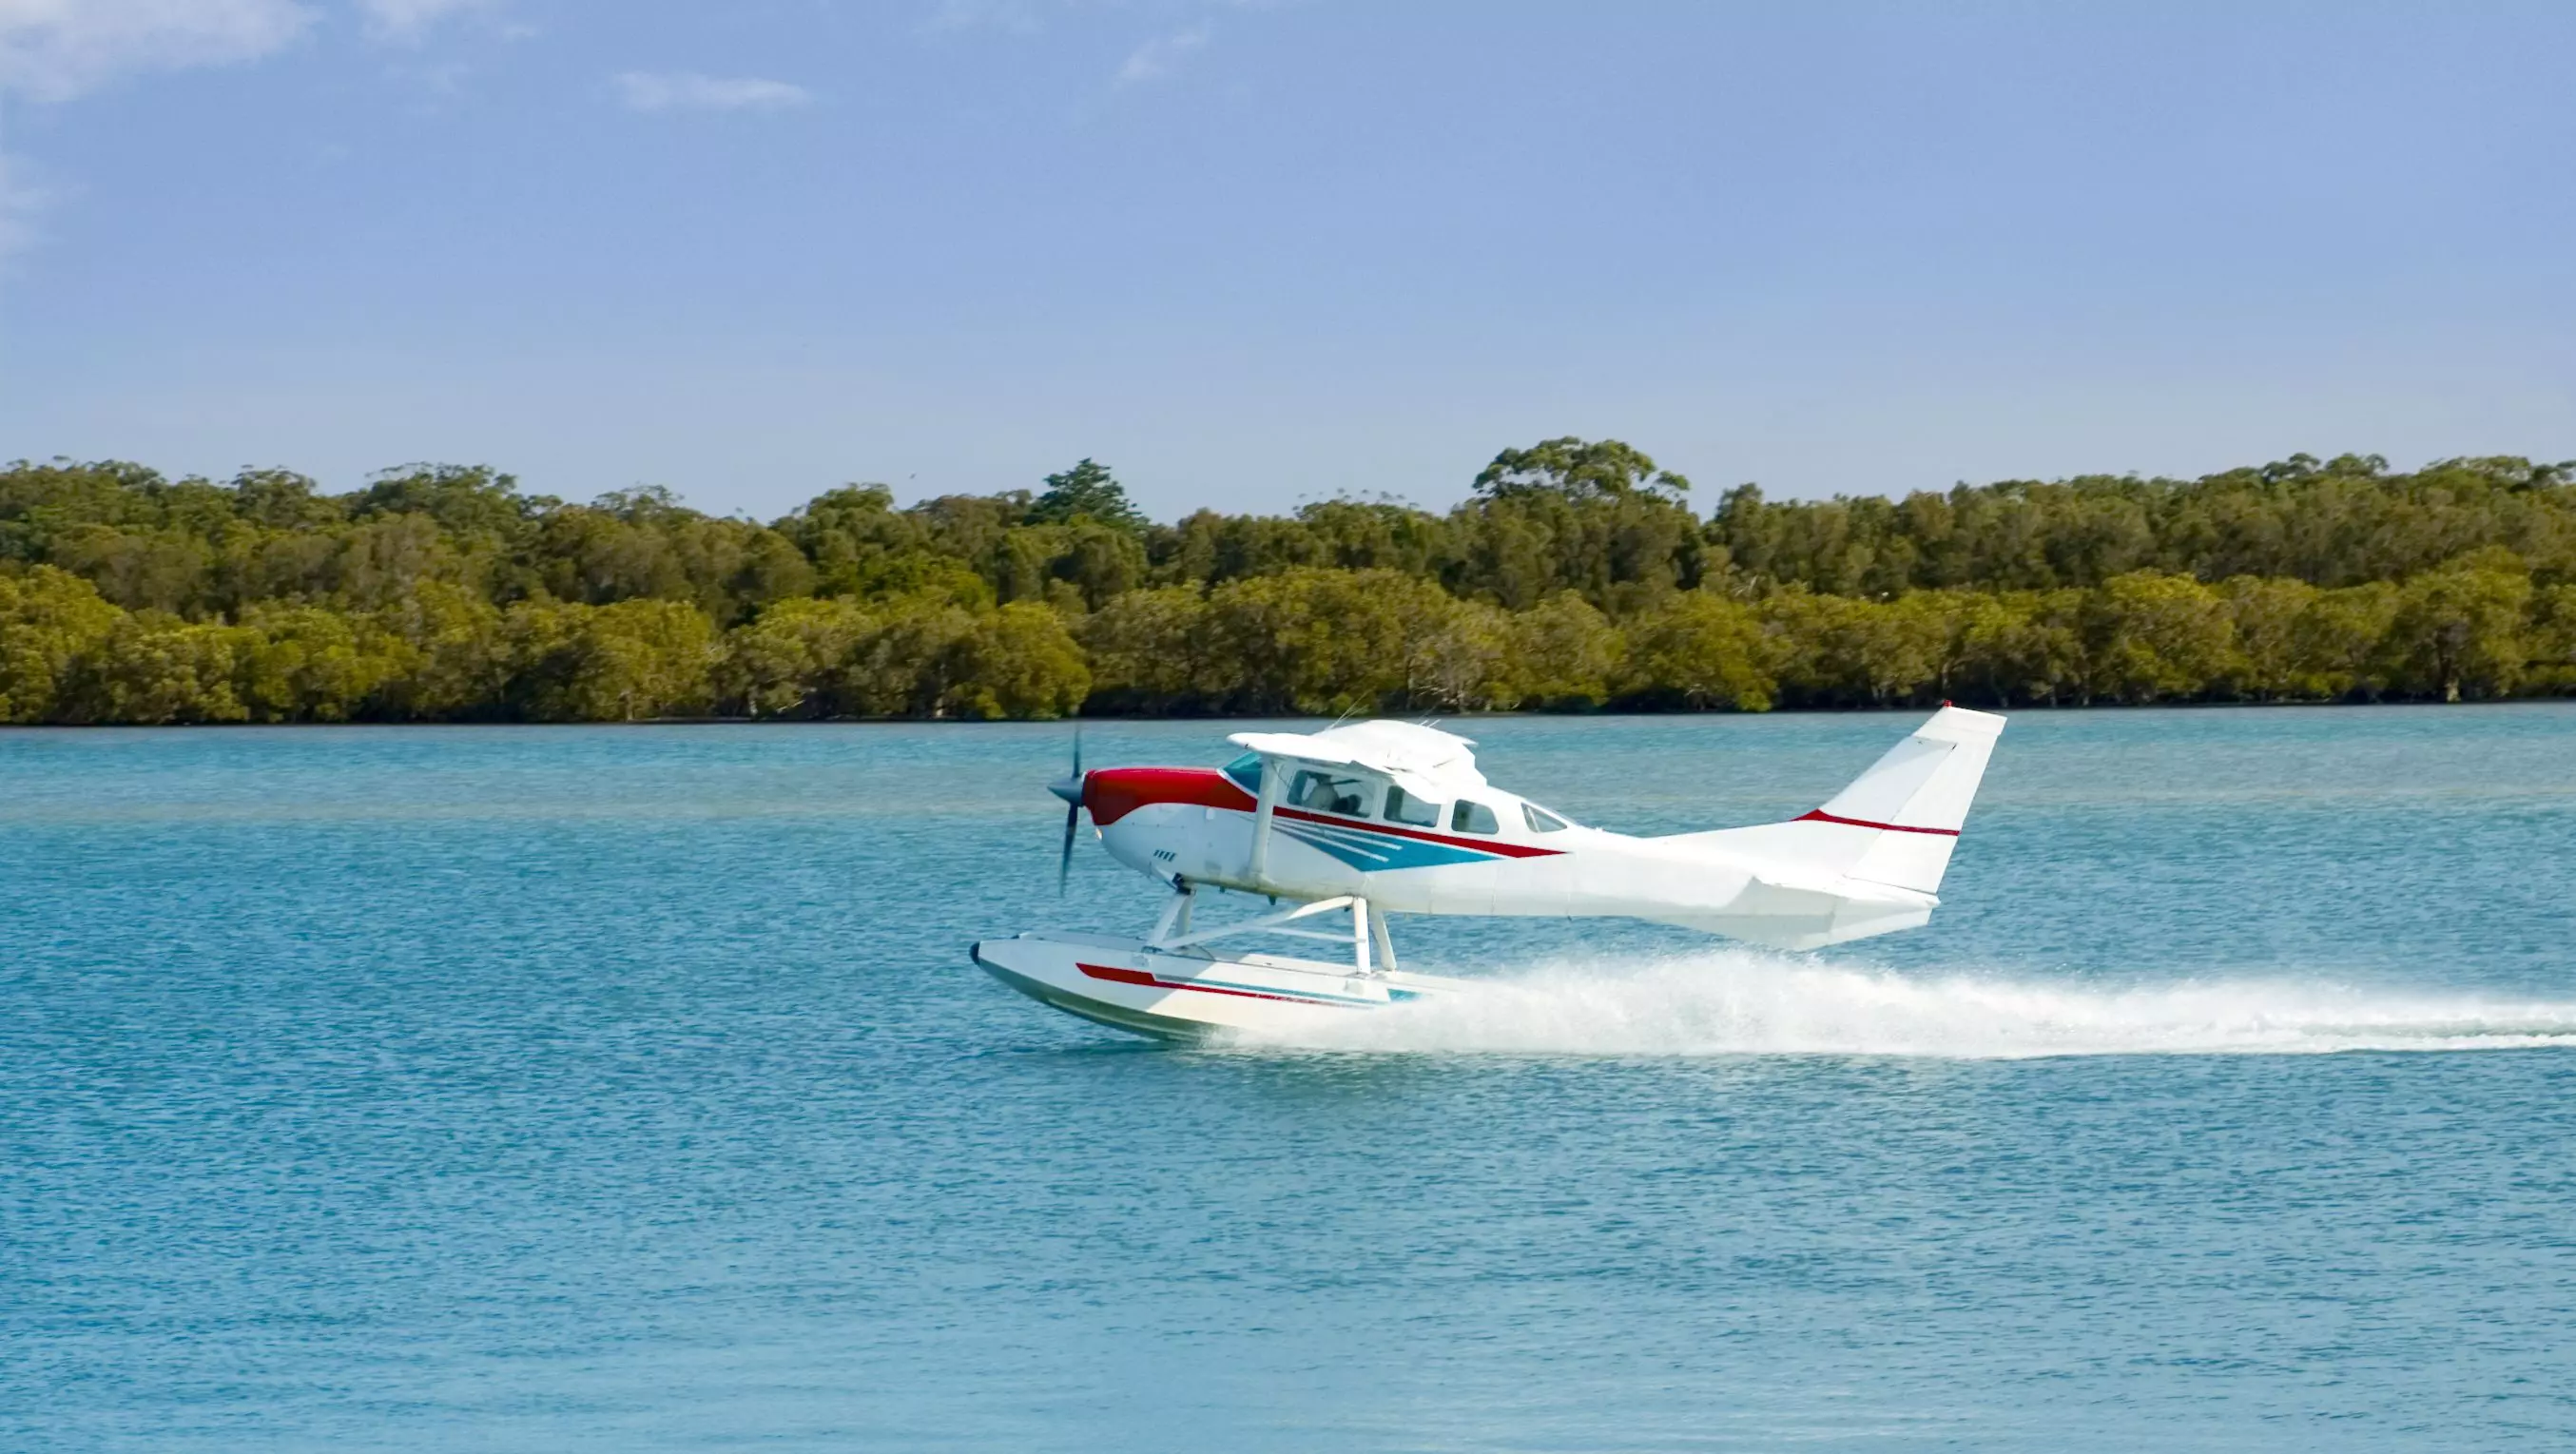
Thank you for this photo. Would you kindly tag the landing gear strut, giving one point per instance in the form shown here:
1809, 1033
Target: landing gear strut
1372, 949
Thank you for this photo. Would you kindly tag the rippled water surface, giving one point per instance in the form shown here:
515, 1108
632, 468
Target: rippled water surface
629, 1089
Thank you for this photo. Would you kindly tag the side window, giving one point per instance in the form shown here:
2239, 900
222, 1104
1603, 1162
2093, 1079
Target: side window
1321, 792
1540, 819
1472, 817
1403, 807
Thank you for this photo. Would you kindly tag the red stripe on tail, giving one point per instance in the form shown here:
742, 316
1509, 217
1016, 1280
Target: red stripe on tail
1821, 816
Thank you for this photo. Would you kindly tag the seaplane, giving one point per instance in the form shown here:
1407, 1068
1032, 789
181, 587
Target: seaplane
1371, 819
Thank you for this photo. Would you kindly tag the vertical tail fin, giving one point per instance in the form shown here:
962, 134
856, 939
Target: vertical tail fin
1896, 823
1905, 813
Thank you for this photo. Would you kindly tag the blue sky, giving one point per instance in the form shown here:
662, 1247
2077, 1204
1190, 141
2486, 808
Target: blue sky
1250, 254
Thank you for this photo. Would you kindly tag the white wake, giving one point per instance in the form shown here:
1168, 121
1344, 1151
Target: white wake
1747, 1003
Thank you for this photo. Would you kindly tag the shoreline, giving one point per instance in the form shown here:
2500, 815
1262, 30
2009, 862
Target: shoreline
1905, 709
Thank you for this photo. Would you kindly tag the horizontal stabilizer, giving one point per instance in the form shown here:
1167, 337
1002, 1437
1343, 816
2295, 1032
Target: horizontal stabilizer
1801, 918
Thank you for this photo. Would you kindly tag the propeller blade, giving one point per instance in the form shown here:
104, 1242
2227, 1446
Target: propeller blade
1064, 865
1070, 789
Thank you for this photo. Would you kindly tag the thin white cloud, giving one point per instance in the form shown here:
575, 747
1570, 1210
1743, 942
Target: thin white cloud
685, 91
1158, 57
408, 20
20, 202
1017, 17
54, 50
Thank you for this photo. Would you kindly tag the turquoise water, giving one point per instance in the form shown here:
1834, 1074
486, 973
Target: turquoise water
628, 1089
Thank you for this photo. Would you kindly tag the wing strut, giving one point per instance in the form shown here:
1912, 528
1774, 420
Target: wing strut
1261, 822
1385, 943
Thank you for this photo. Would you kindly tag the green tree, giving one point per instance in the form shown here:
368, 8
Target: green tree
1577, 469
1457, 654
285, 500
912, 660
1086, 492
1623, 551
2335, 645
2151, 636
1953, 626
1320, 641
382, 560
50, 619
853, 536
1844, 651
2026, 646
596, 556
2459, 630
153, 669
40, 501
1099, 562
765, 570
1379, 534
2553, 639
312, 664
462, 657
1563, 653
1019, 662
470, 500
790, 661
1022, 565
2266, 614
141, 570
1150, 652
1702, 650
1212, 548
625, 661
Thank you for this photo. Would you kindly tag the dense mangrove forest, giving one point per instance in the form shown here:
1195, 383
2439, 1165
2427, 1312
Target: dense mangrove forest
1577, 576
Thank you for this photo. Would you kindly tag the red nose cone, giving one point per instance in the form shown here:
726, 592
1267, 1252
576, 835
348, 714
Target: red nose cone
1111, 793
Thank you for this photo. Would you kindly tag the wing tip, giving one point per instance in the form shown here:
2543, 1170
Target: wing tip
1958, 724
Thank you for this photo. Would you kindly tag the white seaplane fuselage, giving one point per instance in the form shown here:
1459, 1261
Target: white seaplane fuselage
1383, 818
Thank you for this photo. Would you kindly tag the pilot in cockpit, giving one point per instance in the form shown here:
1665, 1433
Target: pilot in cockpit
1323, 793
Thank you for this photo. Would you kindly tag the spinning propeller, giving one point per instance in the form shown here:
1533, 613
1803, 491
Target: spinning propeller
1070, 789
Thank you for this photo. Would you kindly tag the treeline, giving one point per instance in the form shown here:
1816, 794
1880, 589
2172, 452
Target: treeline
1577, 576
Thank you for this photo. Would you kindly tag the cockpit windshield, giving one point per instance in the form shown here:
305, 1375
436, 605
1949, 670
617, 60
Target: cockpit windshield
1246, 772
1540, 820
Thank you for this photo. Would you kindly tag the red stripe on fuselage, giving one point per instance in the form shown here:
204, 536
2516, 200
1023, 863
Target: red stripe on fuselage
1114, 792
1821, 816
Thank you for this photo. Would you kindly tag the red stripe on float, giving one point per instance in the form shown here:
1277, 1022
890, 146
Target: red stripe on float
1122, 976
1821, 816
1140, 977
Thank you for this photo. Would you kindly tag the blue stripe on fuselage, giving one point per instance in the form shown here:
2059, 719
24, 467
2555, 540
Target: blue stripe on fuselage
1371, 851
